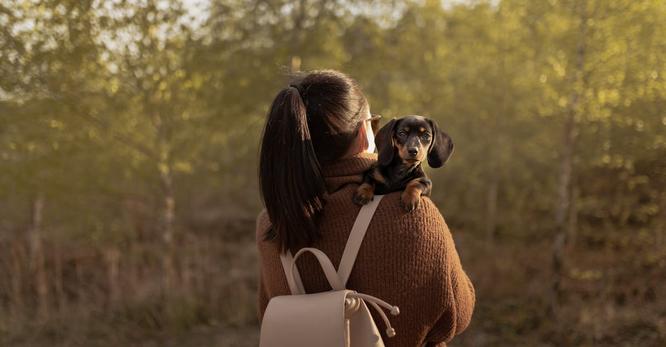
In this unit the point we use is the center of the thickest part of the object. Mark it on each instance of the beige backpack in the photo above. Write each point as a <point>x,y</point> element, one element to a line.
<point>337,318</point>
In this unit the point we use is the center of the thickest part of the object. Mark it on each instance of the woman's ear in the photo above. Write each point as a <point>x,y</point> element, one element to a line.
<point>441,146</point>
<point>384,142</point>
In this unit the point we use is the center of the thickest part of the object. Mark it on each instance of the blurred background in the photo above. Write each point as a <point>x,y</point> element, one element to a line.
<point>129,136</point>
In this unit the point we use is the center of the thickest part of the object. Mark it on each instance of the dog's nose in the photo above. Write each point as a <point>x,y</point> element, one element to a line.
<point>413,151</point>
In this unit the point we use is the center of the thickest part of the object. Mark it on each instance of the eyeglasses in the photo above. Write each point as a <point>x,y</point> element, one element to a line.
<point>374,122</point>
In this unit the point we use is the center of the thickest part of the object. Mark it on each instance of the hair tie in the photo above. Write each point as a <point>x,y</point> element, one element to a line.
<point>298,90</point>
<point>295,87</point>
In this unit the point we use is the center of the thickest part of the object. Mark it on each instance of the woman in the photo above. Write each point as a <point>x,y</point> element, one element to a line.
<point>316,145</point>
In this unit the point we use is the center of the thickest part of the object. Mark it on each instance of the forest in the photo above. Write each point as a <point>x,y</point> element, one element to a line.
<point>129,145</point>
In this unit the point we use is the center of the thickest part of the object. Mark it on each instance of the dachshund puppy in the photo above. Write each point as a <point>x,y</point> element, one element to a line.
<point>402,145</point>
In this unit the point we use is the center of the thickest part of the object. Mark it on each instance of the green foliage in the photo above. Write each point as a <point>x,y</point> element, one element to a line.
<point>110,108</point>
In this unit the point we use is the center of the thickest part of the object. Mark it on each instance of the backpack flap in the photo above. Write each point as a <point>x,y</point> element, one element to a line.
<point>305,320</point>
<point>329,319</point>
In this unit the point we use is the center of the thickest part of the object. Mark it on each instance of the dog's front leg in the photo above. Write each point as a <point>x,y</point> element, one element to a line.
<point>410,197</point>
<point>366,191</point>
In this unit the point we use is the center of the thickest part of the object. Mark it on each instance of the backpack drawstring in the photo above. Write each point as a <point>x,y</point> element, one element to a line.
<point>376,302</point>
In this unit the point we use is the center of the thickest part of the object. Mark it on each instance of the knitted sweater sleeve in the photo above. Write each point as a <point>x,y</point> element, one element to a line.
<point>457,287</point>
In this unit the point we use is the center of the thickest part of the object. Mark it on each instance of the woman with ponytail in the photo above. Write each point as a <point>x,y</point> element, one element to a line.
<point>316,145</point>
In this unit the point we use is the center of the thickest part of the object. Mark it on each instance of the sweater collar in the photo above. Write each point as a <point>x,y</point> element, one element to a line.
<point>347,170</point>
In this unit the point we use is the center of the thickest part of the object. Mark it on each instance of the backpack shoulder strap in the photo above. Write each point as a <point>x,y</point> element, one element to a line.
<point>356,238</point>
<point>294,282</point>
<point>348,256</point>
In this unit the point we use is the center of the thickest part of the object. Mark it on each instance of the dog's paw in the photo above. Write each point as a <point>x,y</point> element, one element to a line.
<point>364,194</point>
<point>409,201</point>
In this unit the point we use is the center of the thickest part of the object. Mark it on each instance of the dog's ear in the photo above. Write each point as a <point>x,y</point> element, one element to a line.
<point>441,146</point>
<point>384,142</point>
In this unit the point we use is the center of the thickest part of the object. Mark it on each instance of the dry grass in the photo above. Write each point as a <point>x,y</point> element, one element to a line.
<point>614,297</point>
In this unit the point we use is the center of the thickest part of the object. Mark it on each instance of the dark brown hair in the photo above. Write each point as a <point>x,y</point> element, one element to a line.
<point>311,122</point>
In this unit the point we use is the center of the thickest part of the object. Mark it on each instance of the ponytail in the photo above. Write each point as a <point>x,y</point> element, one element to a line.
<point>291,182</point>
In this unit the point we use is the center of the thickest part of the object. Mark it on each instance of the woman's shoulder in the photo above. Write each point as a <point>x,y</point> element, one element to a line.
<point>425,218</point>
<point>421,234</point>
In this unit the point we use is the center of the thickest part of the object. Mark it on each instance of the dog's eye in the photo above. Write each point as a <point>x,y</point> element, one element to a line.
<point>425,137</point>
<point>402,133</point>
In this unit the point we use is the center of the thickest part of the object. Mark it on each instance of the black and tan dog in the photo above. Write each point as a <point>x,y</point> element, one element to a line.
<point>402,145</point>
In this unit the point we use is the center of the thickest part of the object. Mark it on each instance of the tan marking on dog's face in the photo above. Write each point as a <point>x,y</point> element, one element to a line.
<point>407,158</point>
<point>402,151</point>
<point>414,132</point>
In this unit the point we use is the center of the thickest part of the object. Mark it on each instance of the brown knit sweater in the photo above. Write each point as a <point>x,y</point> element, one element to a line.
<point>406,259</point>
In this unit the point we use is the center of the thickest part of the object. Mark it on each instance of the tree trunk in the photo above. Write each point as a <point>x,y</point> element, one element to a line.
<point>493,178</point>
<point>491,218</point>
<point>168,221</point>
<point>495,144</point>
<point>168,218</point>
<point>37,257</point>
<point>661,224</point>
<point>112,257</point>
<point>300,16</point>
<point>295,64</point>
<point>58,280</point>
<point>17,259</point>
<point>493,175</point>
<point>80,284</point>
<point>572,227</point>
<point>563,207</point>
